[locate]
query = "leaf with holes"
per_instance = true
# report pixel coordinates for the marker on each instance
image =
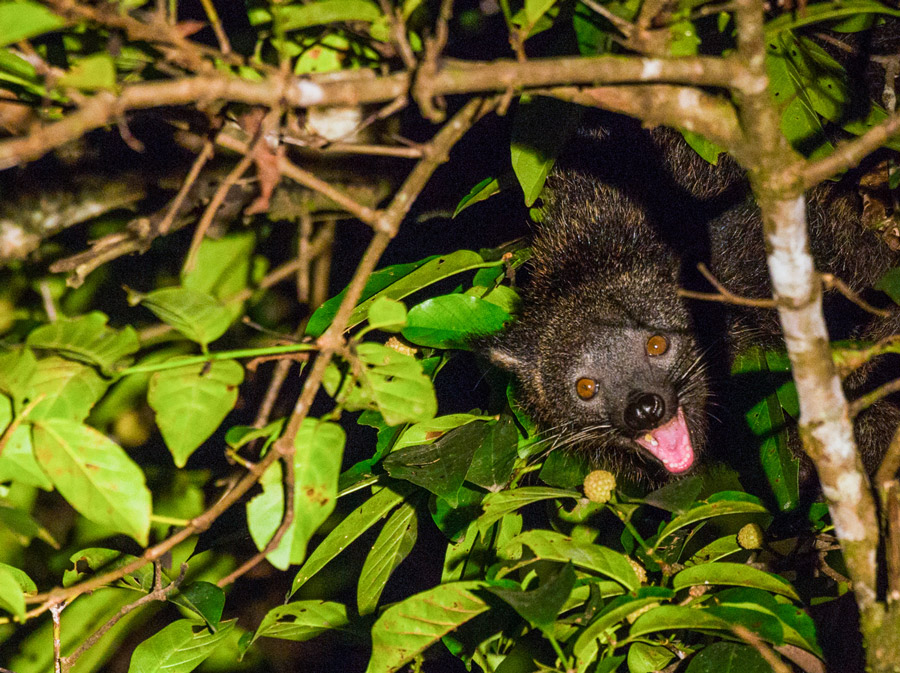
(178, 648)
(317, 463)
(191, 402)
(408, 628)
(302, 620)
(94, 475)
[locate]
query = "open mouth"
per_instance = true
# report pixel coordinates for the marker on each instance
(670, 443)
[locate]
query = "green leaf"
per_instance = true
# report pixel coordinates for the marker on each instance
(677, 496)
(889, 283)
(86, 339)
(498, 505)
(724, 546)
(390, 382)
(302, 620)
(353, 525)
(725, 657)
(428, 431)
(178, 648)
(197, 315)
(480, 192)
(737, 574)
(705, 148)
(94, 475)
(394, 543)
(375, 283)
(615, 612)
(17, 463)
(553, 546)
(396, 282)
(16, 369)
(323, 12)
(223, 268)
(645, 658)
(669, 617)
(439, 467)
(540, 607)
(408, 628)
(91, 74)
(451, 320)
(387, 315)
(23, 526)
(192, 401)
(24, 20)
(825, 11)
(12, 596)
(69, 389)
(495, 456)
(319, 447)
(535, 143)
(222, 265)
(26, 584)
(566, 469)
(708, 511)
(204, 598)
(100, 560)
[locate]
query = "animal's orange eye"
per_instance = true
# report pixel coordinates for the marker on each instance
(657, 345)
(586, 388)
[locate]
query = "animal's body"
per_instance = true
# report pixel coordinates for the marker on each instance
(609, 358)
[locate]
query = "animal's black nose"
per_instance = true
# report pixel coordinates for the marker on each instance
(644, 411)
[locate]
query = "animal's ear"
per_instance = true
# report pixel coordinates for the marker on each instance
(514, 350)
(507, 359)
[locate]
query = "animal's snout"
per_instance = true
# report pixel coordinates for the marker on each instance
(644, 411)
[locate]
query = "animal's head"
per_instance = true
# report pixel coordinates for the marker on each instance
(612, 367)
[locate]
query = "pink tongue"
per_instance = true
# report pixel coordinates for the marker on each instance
(671, 444)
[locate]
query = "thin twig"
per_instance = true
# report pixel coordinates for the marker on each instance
(303, 256)
(389, 221)
(216, 23)
(159, 593)
(287, 521)
(890, 498)
(55, 612)
(215, 202)
(832, 282)
(398, 34)
(282, 367)
(206, 153)
(625, 27)
(307, 179)
(867, 400)
(10, 429)
(890, 464)
(724, 295)
(758, 644)
(849, 154)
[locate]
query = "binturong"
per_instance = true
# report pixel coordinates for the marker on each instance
(610, 359)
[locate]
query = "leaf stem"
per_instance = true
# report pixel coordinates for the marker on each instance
(221, 355)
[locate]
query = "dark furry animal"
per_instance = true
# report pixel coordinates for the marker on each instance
(609, 358)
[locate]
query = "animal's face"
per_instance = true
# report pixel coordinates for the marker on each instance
(614, 370)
